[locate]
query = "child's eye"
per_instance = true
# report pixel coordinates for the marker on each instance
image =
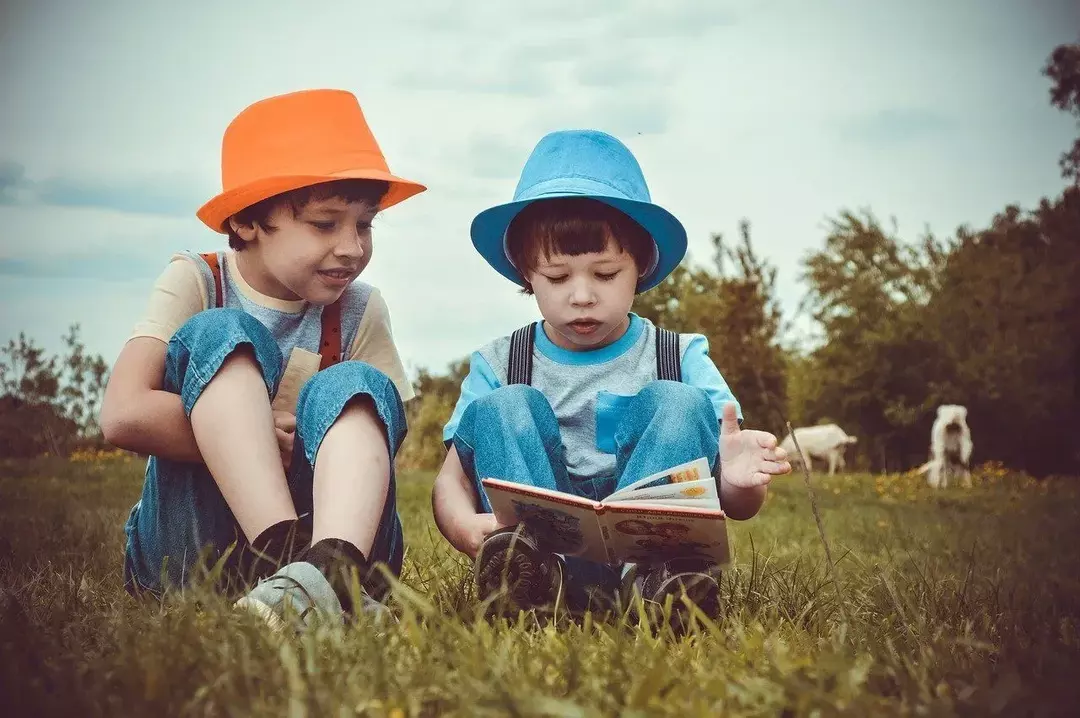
(556, 280)
(606, 277)
(363, 227)
(323, 226)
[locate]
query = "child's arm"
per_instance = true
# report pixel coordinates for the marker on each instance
(454, 504)
(136, 414)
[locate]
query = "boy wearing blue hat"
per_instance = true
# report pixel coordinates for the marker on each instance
(593, 397)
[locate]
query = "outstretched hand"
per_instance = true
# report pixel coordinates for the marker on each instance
(748, 457)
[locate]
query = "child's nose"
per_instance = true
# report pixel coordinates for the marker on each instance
(582, 294)
(351, 245)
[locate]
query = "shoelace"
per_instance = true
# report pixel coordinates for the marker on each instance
(296, 585)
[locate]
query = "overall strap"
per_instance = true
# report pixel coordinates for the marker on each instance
(668, 362)
(330, 338)
(211, 259)
(519, 367)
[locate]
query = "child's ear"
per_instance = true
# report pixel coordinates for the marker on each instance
(246, 232)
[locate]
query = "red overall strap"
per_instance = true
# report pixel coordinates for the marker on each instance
(211, 259)
(330, 340)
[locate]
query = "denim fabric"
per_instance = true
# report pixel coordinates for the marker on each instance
(182, 518)
(512, 434)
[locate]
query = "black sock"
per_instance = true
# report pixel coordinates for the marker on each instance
(276, 546)
(338, 559)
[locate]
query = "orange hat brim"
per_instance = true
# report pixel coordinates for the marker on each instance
(215, 212)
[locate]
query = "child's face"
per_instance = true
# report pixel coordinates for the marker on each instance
(314, 255)
(585, 299)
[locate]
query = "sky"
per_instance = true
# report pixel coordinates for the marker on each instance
(783, 112)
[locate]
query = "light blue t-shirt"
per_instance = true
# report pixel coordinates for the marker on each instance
(588, 390)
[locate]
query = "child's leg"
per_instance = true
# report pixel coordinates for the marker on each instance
(349, 426)
(666, 424)
(512, 434)
(224, 364)
(234, 429)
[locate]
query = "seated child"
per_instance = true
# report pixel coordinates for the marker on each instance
(593, 397)
(264, 383)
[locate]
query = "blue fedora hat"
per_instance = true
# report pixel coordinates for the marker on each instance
(583, 163)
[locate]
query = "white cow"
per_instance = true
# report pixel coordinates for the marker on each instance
(950, 447)
(825, 442)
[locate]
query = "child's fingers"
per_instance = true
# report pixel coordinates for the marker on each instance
(765, 440)
(284, 439)
(774, 467)
(730, 423)
(775, 455)
(285, 421)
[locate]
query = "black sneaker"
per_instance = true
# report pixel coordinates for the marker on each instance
(698, 580)
(514, 573)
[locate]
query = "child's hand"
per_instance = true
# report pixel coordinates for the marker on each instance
(285, 429)
(748, 458)
(475, 530)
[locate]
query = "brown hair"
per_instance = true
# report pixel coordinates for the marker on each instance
(573, 226)
(348, 190)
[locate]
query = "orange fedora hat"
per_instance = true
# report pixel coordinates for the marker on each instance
(295, 140)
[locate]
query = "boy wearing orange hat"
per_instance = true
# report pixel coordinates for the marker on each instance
(264, 382)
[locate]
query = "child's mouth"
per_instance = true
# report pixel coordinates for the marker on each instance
(584, 326)
(336, 276)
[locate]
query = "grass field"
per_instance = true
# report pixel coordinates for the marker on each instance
(959, 602)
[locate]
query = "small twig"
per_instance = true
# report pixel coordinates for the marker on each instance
(833, 575)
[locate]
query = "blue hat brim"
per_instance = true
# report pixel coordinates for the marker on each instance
(489, 230)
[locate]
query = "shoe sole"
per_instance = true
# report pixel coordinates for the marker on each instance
(702, 590)
(263, 611)
(521, 572)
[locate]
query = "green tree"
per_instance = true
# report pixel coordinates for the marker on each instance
(1063, 69)
(49, 403)
(1007, 318)
(874, 371)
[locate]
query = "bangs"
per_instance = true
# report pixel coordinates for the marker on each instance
(573, 226)
(347, 190)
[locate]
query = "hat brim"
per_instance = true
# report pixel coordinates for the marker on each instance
(215, 212)
(489, 229)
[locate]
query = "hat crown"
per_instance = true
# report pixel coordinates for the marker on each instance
(581, 162)
(311, 132)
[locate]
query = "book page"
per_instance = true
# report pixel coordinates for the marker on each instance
(566, 524)
(702, 492)
(692, 471)
(653, 533)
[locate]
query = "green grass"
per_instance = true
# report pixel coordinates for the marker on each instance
(956, 602)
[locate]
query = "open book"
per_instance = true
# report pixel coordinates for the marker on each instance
(672, 514)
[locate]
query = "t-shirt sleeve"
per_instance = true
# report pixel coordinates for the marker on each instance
(479, 382)
(374, 344)
(699, 370)
(178, 294)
